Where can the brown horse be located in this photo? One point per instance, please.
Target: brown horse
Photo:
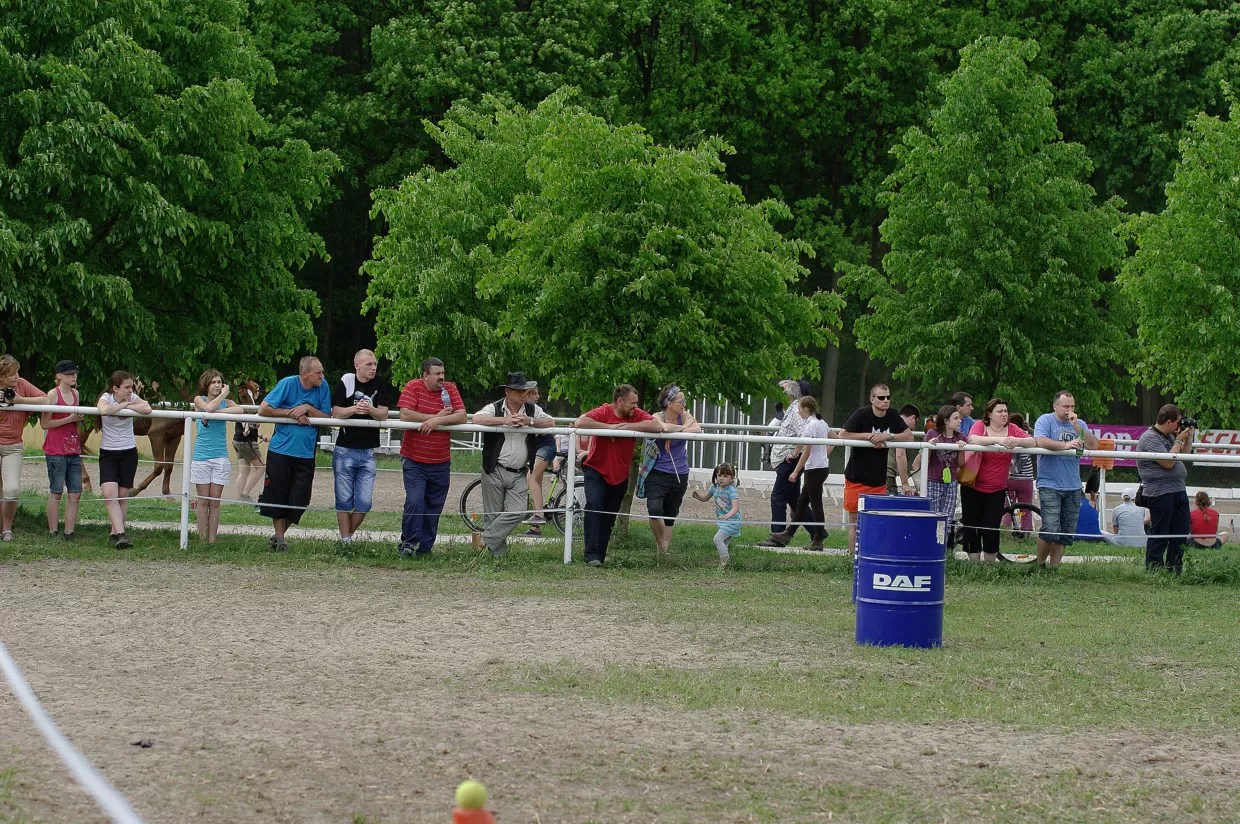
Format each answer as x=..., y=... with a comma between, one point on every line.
x=165, y=434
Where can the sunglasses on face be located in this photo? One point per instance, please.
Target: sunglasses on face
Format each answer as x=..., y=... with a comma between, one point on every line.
x=882, y=397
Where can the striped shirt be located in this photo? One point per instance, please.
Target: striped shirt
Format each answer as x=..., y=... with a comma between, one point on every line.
x=436, y=447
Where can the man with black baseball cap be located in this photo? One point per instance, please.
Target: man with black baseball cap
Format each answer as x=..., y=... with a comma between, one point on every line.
x=507, y=458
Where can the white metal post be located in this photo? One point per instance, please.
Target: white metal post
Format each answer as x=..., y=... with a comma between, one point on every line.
x=924, y=472
x=1102, y=500
x=570, y=495
x=186, y=462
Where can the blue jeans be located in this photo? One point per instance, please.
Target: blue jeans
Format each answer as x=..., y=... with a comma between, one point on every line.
x=1061, y=508
x=784, y=495
x=1169, y=515
x=426, y=488
x=64, y=471
x=354, y=471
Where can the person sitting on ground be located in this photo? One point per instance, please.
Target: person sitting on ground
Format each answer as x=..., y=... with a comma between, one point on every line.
x=1204, y=519
x=1128, y=521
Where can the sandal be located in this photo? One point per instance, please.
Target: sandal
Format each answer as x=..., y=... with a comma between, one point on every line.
x=8, y=534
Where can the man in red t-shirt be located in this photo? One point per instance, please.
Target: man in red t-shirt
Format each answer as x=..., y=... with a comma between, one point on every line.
x=607, y=465
x=425, y=454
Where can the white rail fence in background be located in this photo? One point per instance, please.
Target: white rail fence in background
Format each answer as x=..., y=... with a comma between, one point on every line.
x=703, y=440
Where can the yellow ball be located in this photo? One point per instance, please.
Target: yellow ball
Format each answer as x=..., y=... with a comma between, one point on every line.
x=471, y=795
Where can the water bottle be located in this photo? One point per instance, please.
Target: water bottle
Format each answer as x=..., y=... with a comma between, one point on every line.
x=445, y=397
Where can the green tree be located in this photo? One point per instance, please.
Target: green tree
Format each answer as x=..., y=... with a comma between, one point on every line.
x=587, y=255
x=148, y=217
x=993, y=281
x=1185, y=275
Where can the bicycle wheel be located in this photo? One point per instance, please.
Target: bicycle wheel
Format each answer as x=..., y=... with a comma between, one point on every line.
x=579, y=508
x=1018, y=513
x=472, y=508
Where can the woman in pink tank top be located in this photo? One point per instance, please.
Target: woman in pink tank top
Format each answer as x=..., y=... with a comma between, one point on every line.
x=63, y=447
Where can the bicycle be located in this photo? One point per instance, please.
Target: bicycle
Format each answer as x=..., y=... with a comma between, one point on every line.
x=472, y=508
x=1016, y=512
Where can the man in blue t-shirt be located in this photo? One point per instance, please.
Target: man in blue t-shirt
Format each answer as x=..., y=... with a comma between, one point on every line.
x=1059, y=476
x=290, y=453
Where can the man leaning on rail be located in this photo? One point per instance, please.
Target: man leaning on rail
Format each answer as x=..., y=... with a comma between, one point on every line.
x=1163, y=488
x=506, y=458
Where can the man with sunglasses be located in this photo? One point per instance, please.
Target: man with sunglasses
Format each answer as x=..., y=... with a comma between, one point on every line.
x=866, y=471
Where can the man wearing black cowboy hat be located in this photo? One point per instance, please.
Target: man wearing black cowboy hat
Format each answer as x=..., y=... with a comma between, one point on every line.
x=506, y=458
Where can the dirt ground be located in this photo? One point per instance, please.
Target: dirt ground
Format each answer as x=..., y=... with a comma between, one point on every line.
x=362, y=695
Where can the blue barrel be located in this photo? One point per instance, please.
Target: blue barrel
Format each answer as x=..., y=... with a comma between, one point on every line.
x=900, y=571
x=887, y=503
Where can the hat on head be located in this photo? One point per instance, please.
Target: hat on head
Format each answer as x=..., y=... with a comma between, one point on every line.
x=1130, y=494
x=66, y=367
x=517, y=382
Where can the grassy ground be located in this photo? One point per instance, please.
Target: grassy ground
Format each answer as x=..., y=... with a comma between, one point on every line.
x=1096, y=648
x=1101, y=644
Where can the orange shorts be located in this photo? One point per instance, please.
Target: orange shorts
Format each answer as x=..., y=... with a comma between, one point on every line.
x=852, y=489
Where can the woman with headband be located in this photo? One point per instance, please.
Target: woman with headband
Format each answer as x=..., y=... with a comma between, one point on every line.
x=664, y=477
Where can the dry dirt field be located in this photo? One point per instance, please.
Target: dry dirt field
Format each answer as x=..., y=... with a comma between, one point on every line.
x=351, y=695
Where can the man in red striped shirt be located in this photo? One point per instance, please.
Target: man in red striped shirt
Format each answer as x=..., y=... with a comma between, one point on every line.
x=607, y=466
x=425, y=454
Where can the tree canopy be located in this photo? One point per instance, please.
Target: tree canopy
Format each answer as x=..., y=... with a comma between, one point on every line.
x=1185, y=275
x=589, y=256
x=147, y=217
x=995, y=276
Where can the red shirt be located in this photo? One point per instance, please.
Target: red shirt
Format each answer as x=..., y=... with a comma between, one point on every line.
x=1204, y=522
x=436, y=447
x=611, y=457
x=993, y=474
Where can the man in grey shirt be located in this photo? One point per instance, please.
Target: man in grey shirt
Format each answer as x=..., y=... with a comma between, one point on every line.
x=1164, y=490
x=1129, y=522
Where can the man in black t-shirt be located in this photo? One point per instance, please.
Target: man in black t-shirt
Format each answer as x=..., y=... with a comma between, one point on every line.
x=359, y=395
x=866, y=471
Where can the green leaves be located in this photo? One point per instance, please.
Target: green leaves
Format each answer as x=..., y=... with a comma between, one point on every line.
x=588, y=255
x=994, y=279
x=143, y=202
x=1185, y=275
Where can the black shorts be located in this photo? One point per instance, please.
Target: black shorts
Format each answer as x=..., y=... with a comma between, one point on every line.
x=664, y=494
x=118, y=466
x=287, y=484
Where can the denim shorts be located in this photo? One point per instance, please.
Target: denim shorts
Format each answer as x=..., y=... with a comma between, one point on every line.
x=1060, y=510
x=64, y=471
x=354, y=471
x=546, y=452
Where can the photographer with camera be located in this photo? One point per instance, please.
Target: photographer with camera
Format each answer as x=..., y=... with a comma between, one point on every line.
x=13, y=389
x=1163, y=488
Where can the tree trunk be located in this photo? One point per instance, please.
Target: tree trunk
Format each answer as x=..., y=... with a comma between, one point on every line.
x=830, y=369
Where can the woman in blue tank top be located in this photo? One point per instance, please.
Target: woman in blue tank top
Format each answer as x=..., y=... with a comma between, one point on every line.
x=211, y=471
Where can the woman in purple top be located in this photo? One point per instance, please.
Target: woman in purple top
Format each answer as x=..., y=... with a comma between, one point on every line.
x=942, y=486
x=668, y=479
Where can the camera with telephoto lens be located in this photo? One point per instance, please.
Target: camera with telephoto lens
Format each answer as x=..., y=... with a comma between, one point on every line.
x=1187, y=423
x=8, y=395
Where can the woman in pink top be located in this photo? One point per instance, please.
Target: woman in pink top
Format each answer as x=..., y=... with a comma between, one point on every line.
x=63, y=447
x=982, y=504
